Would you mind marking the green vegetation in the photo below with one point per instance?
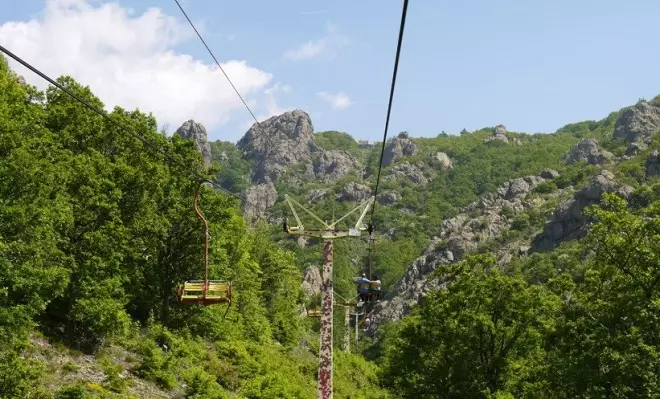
(96, 231)
(587, 328)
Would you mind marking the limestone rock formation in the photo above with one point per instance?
(653, 164)
(635, 148)
(317, 195)
(637, 122)
(499, 133)
(401, 146)
(549, 174)
(388, 197)
(191, 130)
(568, 222)
(312, 281)
(587, 150)
(414, 172)
(355, 192)
(333, 165)
(279, 143)
(257, 199)
(442, 160)
(459, 237)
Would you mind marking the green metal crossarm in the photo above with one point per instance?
(364, 205)
(291, 202)
(320, 233)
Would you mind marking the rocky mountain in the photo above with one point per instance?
(444, 198)
(277, 144)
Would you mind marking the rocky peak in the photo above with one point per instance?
(278, 143)
(191, 130)
(587, 150)
(637, 122)
(401, 146)
(499, 133)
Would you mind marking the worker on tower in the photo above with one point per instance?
(374, 289)
(363, 288)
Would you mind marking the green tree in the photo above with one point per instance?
(482, 336)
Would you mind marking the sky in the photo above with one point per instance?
(532, 65)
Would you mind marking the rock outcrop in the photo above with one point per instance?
(549, 174)
(653, 164)
(317, 195)
(441, 160)
(414, 172)
(388, 197)
(355, 192)
(587, 150)
(568, 222)
(459, 237)
(635, 148)
(191, 130)
(312, 281)
(279, 143)
(499, 133)
(257, 199)
(637, 122)
(401, 146)
(333, 165)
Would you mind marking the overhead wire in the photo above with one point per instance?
(216, 61)
(389, 105)
(175, 161)
(199, 35)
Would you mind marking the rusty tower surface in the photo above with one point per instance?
(328, 233)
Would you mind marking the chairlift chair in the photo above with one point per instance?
(205, 292)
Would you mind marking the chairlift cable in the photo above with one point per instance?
(389, 106)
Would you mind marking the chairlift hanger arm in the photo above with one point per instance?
(293, 202)
(295, 214)
(364, 205)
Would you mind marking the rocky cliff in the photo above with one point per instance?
(191, 130)
(277, 144)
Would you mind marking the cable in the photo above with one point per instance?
(216, 61)
(268, 139)
(389, 106)
(120, 125)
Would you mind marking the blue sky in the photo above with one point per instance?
(531, 65)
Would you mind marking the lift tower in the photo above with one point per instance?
(328, 233)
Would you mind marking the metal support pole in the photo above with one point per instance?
(347, 329)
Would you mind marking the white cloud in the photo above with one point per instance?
(328, 45)
(129, 61)
(336, 100)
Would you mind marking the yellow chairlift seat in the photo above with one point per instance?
(193, 291)
(313, 312)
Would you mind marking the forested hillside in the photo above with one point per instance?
(513, 264)
(96, 230)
